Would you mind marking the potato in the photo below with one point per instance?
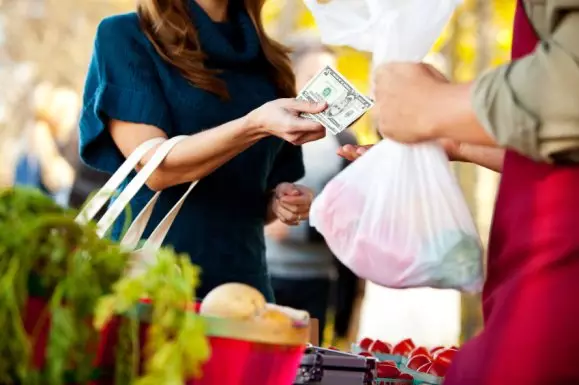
(233, 300)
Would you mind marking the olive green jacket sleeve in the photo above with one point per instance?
(532, 105)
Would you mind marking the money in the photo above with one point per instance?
(345, 103)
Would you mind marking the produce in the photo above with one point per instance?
(437, 369)
(435, 349)
(233, 300)
(388, 362)
(380, 347)
(254, 319)
(420, 350)
(425, 368)
(445, 356)
(47, 258)
(387, 371)
(418, 361)
(403, 348)
(365, 343)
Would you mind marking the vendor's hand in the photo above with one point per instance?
(292, 203)
(451, 147)
(352, 152)
(407, 96)
(281, 118)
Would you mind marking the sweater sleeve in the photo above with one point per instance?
(122, 84)
(288, 166)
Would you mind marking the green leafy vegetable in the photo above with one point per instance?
(44, 252)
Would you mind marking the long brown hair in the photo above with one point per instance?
(168, 26)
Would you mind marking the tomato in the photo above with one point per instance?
(388, 362)
(405, 376)
(420, 350)
(418, 361)
(380, 347)
(365, 354)
(365, 343)
(438, 370)
(404, 347)
(444, 357)
(424, 368)
(387, 371)
(434, 350)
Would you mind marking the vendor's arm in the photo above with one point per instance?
(125, 105)
(485, 156)
(489, 157)
(532, 104)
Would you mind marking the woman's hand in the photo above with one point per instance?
(291, 203)
(277, 230)
(281, 118)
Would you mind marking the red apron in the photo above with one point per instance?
(531, 334)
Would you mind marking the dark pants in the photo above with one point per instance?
(311, 295)
(344, 296)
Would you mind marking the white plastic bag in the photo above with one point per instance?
(390, 29)
(397, 217)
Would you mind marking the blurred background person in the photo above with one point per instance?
(300, 263)
(41, 162)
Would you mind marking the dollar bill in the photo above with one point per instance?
(345, 104)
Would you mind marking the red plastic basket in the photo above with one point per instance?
(234, 359)
(236, 362)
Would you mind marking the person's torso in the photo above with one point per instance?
(530, 317)
(300, 256)
(221, 223)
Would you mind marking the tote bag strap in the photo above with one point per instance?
(135, 185)
(93, 206)
(135, 232)
(155, 240)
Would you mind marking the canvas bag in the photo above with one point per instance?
(130, 241)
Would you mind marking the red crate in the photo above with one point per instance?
(237, 358)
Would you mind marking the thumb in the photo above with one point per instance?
(307, 106)
(287, 189)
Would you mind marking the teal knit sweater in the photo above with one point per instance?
(221, 224)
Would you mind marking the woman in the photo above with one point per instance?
(205, 69)
(530, 107)
(302, 266)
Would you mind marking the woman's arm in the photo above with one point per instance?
(202, 153)
(191, 159)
